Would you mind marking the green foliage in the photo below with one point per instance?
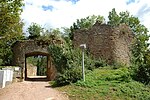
(99, 76)
(114, 19)
(139, 46)
(106, 83)
(85, 23)
(41, 65)
(34, 31)
(58, 56)
(10, 22)
(1, 67)
(117, 65)
(67, 61)
(99, 63)
(121, 74)
(141, 72)
(134, 90)
(69, 76)
(51, 35)
(139, 49)
(10, 27)
(40, 62)
(32, 60)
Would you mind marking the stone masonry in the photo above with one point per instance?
(111, 44)
(27, 48)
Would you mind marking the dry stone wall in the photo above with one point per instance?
(109, 43)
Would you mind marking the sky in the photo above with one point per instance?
(62, 13)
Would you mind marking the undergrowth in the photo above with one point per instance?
(107, 84)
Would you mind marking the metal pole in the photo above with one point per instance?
(83, 74)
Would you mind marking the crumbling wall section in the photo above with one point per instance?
(109, 43)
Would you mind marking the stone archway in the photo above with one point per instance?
(30, 70)
(26, 48)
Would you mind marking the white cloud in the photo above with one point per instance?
(64, 12)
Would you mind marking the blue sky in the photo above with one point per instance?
(49, 7)
(62, 13)
(130, 1)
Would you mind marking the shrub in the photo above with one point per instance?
(117, 65)
(135, 90)
(141, 73)
(59, 58)
(69, 76)
(68, 63)
(99, 63)
(121, 74)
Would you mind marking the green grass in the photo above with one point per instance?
(107, 84)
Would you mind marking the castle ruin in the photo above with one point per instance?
(111, 44)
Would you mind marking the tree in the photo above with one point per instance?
(10, 27)
(34, 31)
(41, 65)
(140, 31)
(85, 23)
(114, 19)
(140, 46)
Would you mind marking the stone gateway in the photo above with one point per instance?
(27, 48)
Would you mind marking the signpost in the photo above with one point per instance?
(83, 46)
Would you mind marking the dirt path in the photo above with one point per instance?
(31, 91)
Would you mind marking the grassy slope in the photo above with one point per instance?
(107, 84)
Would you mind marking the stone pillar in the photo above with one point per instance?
(51, 70)
(22, 67)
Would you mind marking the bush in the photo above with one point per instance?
(68, 63)
(117, 65)
(121, 74)
(69, 76)
(99, 63)
(141, 73)
(59, 58)
(135, 90)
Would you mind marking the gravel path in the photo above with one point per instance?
(28, 90)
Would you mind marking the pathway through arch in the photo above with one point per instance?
(30, 90)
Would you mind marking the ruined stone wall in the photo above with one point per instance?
(26, 48)
(106, 42)
(31, 70)
(123, 40)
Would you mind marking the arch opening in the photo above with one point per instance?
(22, 50)
(36, 66)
